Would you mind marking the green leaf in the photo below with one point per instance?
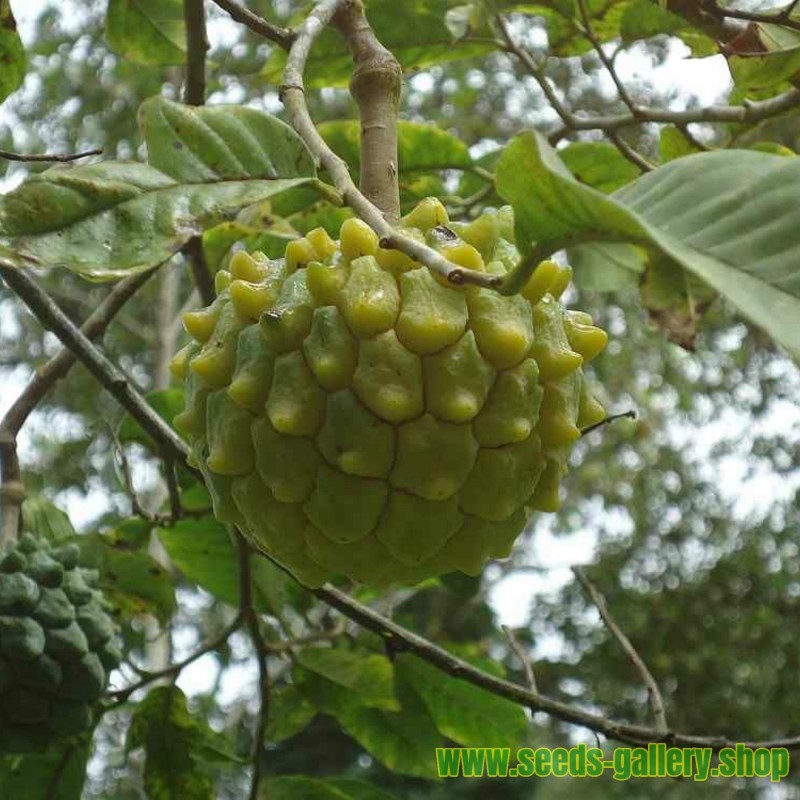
(369, 676)
(225, 142)
(643, 19)
(132, 581)
(607, 267)
(148, 32)
(599, 165)
(415, 31)
(289, 713)
(468, 715)
(41, 517)
(57, 776)
(300, 787)
(420, 146)
(781, 62)
(167, 403)
(202, 550)
(111, 219)
(402, 740)
(12, 53)
(176, 746)
(728, 217)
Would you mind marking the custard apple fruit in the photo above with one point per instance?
(355, 415)
(57, 645)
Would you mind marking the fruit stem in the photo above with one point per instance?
(376, 85)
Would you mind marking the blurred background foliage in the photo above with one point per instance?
(687, 517)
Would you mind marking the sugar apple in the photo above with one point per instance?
(355, 415)
(57, 645)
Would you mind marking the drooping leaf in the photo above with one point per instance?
(110, 219)
(149, 32)
(462, 712)
(599, 165)
(12, 52)
(224, 142)
(420, 146)
(203, 551)
(415, 32)
(728, 217)
(41, 517)
(289, 713)
(132, 581)
(176, 746)
(369, 676)
(300, 787)
(57, 776)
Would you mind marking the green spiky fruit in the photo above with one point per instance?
(57, 645)
(355, 415)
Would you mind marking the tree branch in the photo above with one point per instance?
(653, 692)
(283, 37)
(194, 17)
(54, 319)
(401, 639)
(45, 377)
(376, 85)
(293, 96)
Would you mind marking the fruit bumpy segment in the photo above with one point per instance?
(356, 416)
(58, 644)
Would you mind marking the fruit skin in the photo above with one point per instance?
(58, 645)
(356, 416)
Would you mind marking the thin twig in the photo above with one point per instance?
(54, 157)
(630, 414)
(293, 96)
(692, 139)
(122, 695)
(281, 36)
(194, 17)
(629, 153)
(43, 380)
(127, 476)
(171, 479)
(589, 33)
(653, 692)
(525, 659)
